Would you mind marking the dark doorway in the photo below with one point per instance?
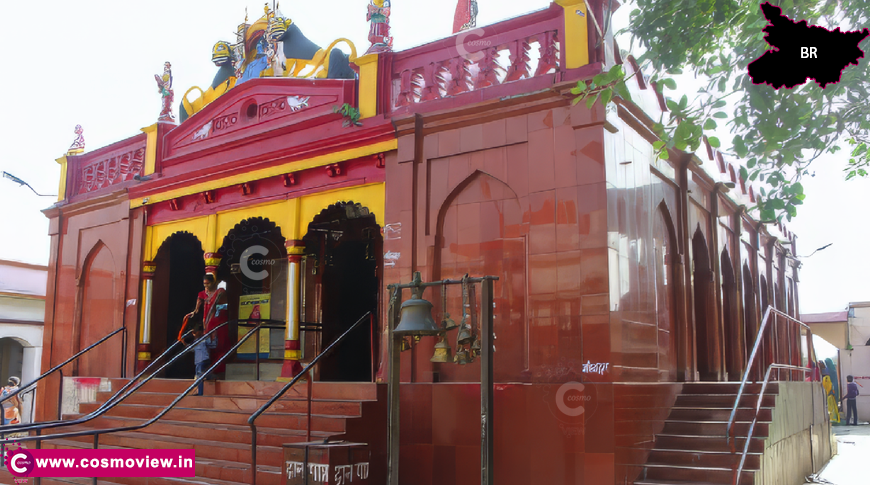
(177, 282)
(343, 248)
(734, 359)
(706, 342)
(750, 321)
(254, 267)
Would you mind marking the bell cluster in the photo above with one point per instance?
(417, 322)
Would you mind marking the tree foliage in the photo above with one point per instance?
(777, 133)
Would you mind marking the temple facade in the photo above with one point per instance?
(626, 282)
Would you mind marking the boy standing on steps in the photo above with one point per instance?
(200, 356)
(851, 401)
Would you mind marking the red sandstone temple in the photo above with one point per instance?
(633, 294)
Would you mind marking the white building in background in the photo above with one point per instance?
(22, 315)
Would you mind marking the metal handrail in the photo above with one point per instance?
(751, 361)
(739, 470)
(74, 357)
(110, 403)
(286, 388)
(97, 432)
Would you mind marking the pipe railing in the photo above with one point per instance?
(792, 368)
(97, 432)
(110, 403)
(26, 387)
(772, 354)
(252, 419)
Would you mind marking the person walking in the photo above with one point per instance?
(200, 356)
(212, 301)
(851, 401)
(11, 407)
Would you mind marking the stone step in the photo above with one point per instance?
(336, 391)
(706, 443)
(719, 414)
(728, 388)
(704, 459)
(247, 404)
(267, 436)
(712, 428)
(695, 474)
(332, 423)
(723, 400)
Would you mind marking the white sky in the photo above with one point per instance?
(93, 63)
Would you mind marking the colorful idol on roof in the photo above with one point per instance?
(272, 46)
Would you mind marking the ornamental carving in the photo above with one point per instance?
(110, 171)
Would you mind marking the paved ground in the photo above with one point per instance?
(849, 466)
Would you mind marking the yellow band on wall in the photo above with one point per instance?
(576, 42)
(291, 167)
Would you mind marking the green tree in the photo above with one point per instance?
(778, 134)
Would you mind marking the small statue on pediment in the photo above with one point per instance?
(78, 145)
(379, 32)
(164, 87)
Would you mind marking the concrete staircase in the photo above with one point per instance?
(691, 446)
(215, 425)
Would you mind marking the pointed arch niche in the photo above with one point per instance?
(97, 315)
(480, 231)
(665, 281)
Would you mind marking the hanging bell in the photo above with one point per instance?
(442, 351)
(465, 336)
(417, 319)
(447, 323)
(475, 348)
(461, 357)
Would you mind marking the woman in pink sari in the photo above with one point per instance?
(213, 301)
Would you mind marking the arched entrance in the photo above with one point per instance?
(706, 342)
(254, 267)
(664, 287)
(734, 358)
(341, 281)
(177, 281)
(11, 359)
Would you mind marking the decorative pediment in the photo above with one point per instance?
(257, 106)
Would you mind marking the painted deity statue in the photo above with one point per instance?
(271, 46)
(164, 87)
(379, 32)
(78, 145)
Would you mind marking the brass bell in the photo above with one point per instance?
(461, 357)
(448, 323)
(475, 348)
(417, 319)
(465, 336)
(442, 351)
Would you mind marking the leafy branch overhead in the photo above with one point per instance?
(777, 134)
(350, 114)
